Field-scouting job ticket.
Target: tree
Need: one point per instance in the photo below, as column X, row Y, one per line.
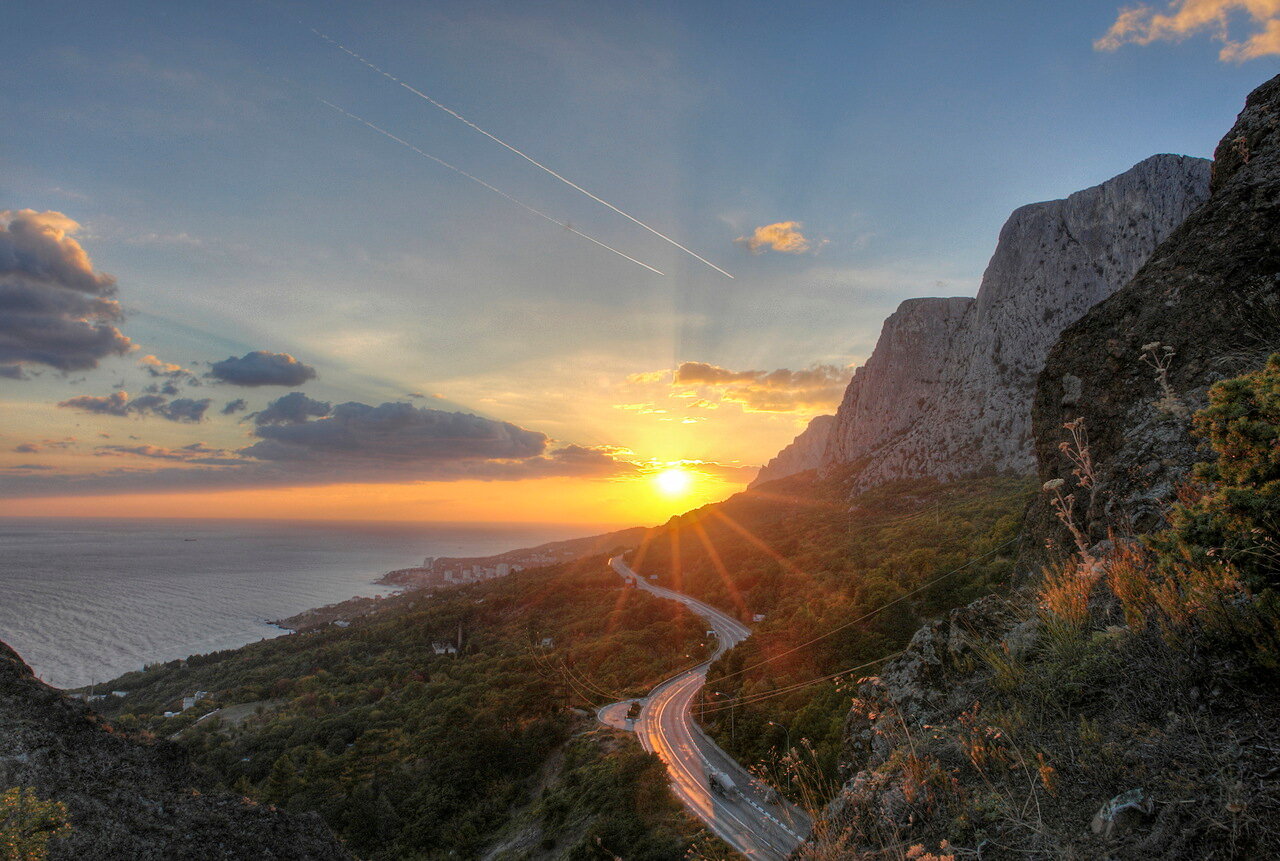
column 1237, row 516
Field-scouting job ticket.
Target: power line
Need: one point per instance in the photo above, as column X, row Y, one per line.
column 871, row 613
column 755, row 698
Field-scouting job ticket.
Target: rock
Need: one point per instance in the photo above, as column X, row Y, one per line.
column 1023, row 638
column 1122, row 813
column 1211, row 292
column 127, row 799
column 803, row 454
column 948, row 388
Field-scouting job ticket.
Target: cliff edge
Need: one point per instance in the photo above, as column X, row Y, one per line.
column 128, row 799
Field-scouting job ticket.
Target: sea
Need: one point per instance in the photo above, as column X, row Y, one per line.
column 86, row 600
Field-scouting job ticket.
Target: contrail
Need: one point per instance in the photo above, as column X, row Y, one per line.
column 523, row 155
column 459, row 170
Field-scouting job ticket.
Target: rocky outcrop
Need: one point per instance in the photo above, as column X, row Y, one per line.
column 895, row 389
column 803, row 454
column 947, row 391
column 127, row 799
column 1207, row 305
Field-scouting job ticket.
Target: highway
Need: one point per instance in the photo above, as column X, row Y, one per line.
column 743, row 817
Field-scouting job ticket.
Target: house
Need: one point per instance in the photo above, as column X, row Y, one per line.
column 444, row 648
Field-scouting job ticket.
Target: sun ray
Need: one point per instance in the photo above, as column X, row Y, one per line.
column 721, row 570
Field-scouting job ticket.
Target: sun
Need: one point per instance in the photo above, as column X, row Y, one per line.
column 674, row 481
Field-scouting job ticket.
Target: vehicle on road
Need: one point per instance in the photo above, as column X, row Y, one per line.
column 721, row 784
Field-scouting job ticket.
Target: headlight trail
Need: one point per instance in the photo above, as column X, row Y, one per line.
column 495, row 190
column 513, row 149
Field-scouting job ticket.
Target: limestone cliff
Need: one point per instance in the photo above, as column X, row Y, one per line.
column 1207, row 303
column 127, row 799
column 947, row 390
column 803, row 454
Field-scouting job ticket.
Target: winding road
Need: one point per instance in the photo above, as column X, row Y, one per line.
column 744, row 817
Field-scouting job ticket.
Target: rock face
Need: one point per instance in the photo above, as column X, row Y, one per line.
column 1211, row 292
column 948, row 388
column 130, row 800
column 804, row 452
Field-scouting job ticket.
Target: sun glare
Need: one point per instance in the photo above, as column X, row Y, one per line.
column 674, row 481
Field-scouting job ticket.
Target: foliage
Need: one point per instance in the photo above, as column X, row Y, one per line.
column 813, row 564
column 1237, row 515
column 27, row 824
column 611, row 798
column 404, row 751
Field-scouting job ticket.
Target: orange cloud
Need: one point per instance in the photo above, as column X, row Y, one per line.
column 1142, row 25
column 818, row 388
column 784, row 236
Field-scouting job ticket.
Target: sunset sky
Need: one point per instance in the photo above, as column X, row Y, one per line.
column 192, row 233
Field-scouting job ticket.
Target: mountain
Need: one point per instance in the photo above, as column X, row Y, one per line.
column 127, row 799
column 1123, row 704
column 947, row 390
column 1207, row 303
column 803, row 454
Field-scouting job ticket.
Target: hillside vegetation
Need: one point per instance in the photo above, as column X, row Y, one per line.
column 841, row 585
column 1126, row 704
column 410, row 753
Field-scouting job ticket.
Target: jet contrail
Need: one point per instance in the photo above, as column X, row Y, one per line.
column 523, row 155
column 459, row 170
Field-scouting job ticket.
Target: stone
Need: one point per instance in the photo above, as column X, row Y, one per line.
column 1122, row 813
column 947, row 390
column 1211, row 291
column 803, row 454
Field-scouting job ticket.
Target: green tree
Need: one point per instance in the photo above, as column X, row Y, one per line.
column 1237, row 517
column 27, row 824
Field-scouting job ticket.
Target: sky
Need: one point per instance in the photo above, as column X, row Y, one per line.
column 513, row 261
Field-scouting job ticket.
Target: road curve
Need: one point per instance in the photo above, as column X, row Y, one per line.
column 743, row 818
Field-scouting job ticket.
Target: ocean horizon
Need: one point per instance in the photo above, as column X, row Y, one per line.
column 87, row 599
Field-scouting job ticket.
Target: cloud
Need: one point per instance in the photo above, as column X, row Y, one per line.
column 817, row 388
column 784, row 236
column 35, row 447
column 55, row 309
column 239, row 405
column 185, row 410
column 393, row 432
column 293, row 408
column 1143, row 24
column 354, row 442
column 262, row 368
column 196, row 453
column 169, row 372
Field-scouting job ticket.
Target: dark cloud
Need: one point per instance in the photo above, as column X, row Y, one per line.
column 393, row 432
column 239, row 405
column 293, row 408
column 44, row 444
column 261, row 368
column 303, row 442
column 187, row 410
column 114, row 404
column 55, row 309
column 169, row 387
